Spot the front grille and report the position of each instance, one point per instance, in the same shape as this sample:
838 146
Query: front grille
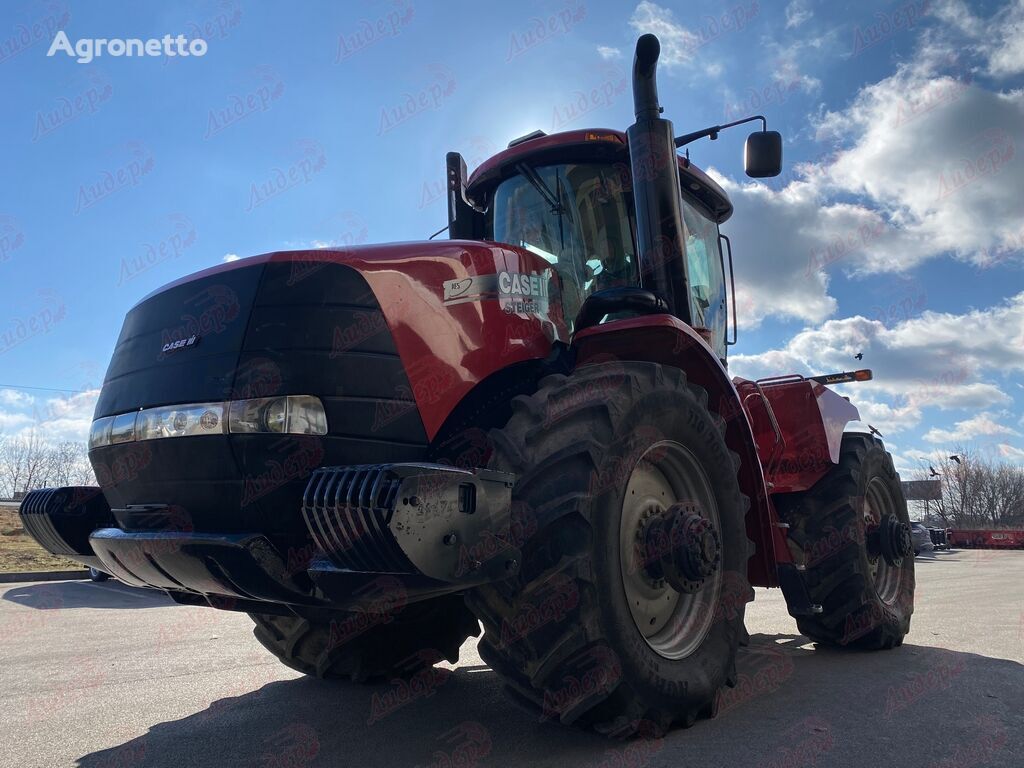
348 510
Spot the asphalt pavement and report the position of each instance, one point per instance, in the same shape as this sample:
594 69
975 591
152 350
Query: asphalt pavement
105 675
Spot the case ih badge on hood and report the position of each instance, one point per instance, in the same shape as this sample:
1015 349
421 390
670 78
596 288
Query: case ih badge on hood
518 293
171 346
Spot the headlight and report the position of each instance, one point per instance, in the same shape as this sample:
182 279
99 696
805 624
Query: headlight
181 421
123 428
99 432
290 414
294 414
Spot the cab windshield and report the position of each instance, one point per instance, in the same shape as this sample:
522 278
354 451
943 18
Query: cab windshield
576 217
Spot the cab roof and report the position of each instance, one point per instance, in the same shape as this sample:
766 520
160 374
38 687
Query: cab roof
600 143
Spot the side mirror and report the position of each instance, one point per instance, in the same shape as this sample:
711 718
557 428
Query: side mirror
762 154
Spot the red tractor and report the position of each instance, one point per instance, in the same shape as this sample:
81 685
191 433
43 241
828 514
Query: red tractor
529 426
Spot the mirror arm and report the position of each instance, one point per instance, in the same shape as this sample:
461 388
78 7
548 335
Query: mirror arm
714 130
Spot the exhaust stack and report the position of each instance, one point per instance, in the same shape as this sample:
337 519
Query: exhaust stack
659 220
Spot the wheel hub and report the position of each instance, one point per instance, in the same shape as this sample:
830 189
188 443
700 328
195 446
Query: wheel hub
681 547
894 540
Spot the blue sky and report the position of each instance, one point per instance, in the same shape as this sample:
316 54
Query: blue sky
897 229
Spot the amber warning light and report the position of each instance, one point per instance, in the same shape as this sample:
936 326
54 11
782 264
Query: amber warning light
844 378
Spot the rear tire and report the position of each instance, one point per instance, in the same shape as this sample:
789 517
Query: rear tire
562 633
365 647
866 602
95 574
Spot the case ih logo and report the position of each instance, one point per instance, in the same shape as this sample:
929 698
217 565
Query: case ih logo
170 346
219 308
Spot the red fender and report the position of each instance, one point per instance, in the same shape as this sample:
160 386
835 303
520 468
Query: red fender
667 340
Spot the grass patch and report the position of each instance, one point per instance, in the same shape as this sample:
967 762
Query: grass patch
20 552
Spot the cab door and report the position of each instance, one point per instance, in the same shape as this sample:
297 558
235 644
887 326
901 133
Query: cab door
704 268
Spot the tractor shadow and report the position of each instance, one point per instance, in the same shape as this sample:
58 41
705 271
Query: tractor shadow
789 696
57 595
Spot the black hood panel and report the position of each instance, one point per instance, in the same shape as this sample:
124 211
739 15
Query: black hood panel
271 328
208 316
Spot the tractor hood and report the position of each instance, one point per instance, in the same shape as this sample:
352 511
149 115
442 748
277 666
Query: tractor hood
331 323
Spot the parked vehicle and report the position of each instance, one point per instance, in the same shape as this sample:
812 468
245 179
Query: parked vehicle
530 426
940 537
921 537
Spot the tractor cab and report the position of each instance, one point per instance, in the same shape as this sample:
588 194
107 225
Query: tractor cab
568 198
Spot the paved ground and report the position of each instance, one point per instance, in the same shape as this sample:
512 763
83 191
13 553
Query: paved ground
103 675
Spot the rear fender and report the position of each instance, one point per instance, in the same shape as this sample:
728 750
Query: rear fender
667 340
811 419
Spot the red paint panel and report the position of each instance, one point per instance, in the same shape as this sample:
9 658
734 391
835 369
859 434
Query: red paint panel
986 538
811 419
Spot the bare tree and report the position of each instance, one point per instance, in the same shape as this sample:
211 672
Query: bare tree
27 462
976 492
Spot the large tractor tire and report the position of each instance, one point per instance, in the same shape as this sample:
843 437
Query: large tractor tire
625 487
852 532
367 647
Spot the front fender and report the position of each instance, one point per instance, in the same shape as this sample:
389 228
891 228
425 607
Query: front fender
667 340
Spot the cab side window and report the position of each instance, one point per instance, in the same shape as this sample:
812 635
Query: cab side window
704 268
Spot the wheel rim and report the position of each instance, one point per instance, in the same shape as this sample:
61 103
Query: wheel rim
886 578
673 624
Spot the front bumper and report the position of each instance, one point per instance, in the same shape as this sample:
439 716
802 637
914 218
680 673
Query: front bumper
420 530
246 572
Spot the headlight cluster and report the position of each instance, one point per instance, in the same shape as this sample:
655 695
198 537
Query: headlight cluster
290 414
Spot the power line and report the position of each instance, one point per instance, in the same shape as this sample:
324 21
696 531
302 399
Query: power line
45 389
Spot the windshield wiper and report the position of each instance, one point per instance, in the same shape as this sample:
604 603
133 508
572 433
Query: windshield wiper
542 188
553 199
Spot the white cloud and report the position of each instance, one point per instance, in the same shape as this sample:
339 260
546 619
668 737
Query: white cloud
919 363
1011 452
926 164
938 157
999 39
680 45
984 424
609 53
15 397
797 13
677 42
1006 56
896 418
54 419
228 257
